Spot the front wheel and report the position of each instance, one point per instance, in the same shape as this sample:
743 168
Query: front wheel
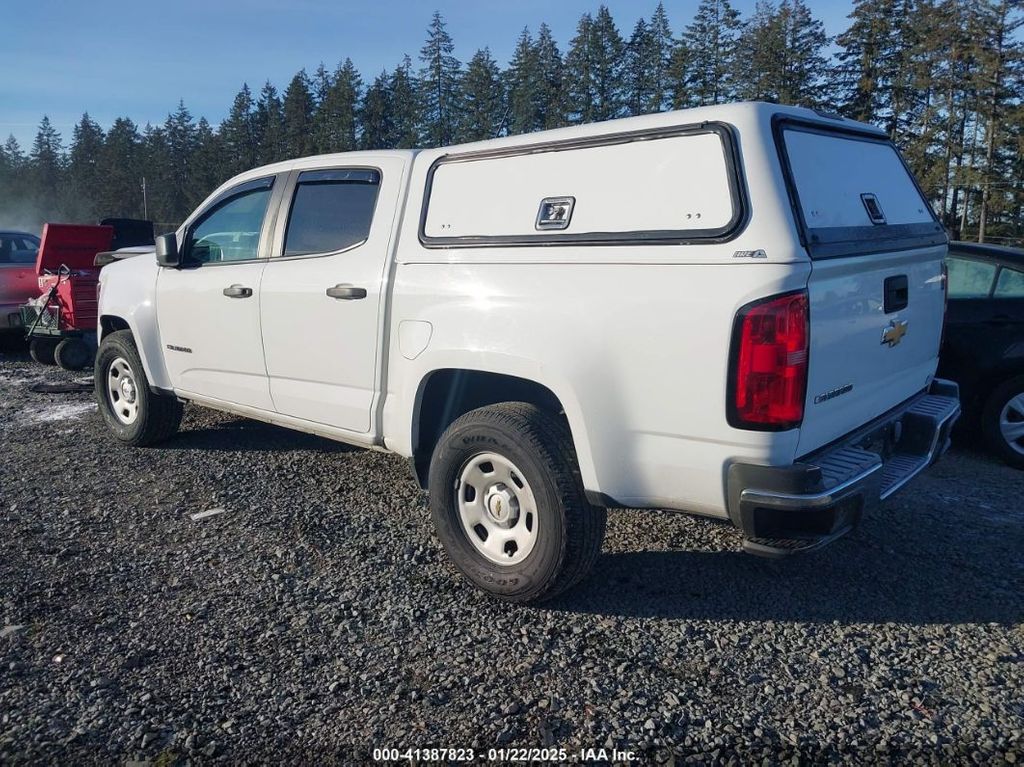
134 413
508 504
1002 421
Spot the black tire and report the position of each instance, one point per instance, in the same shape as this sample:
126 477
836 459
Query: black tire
159 415
570 530
42 350
72 354
990 421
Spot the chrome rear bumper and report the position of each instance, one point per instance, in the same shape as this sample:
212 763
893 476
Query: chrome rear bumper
782 510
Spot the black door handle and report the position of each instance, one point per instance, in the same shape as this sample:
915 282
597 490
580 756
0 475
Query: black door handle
346 292
237 291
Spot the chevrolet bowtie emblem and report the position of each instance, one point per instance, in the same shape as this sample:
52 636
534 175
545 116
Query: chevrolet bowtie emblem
894 332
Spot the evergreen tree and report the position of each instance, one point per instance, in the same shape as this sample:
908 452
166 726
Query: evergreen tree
660 34
534 84
46 168
593 70
269 121
710 41
804 66
181 141
336 115
376 112
871 53
405 107
1000 72
319 84
440 83
207 169
483 98
119 165
523 81
12 163
639 71
159 202
763 44
11 155
297 116
551 111
84 179
579 74
607 58
678 73
784 48
239 136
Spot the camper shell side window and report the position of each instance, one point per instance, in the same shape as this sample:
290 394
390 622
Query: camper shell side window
675 185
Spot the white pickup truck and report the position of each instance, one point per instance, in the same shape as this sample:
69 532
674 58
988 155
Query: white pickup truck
734 311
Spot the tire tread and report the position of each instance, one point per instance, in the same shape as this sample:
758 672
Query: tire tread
551 441
162 414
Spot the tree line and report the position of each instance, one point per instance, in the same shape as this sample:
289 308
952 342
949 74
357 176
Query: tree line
942 77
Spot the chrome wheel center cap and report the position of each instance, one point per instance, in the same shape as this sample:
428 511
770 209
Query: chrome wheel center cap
127 390
502 505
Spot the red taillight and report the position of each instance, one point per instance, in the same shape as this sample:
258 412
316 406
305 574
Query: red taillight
769 363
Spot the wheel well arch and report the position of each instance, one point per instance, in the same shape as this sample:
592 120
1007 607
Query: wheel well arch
448 393
987 383
110 323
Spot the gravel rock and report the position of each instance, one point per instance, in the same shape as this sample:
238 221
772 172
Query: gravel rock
318 611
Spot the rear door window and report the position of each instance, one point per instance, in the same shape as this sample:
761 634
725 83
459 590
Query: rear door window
852 190
331 211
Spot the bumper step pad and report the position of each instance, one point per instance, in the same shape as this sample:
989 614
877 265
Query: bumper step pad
779 518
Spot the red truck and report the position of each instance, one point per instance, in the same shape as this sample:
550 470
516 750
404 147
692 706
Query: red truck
61 322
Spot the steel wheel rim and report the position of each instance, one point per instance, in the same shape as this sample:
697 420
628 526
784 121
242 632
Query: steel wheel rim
497 509
122 391
1011 423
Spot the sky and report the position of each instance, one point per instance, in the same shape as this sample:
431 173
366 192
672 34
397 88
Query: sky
138 57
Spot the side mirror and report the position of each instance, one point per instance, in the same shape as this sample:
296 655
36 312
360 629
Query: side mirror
167 250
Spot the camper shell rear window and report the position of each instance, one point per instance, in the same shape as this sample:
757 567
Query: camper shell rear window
675 185
851 191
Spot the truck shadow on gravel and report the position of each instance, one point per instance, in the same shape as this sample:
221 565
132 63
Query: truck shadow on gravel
871 577
245 435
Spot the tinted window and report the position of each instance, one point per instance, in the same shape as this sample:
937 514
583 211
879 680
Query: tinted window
1010 284
231 231
18 250
970 279
331 211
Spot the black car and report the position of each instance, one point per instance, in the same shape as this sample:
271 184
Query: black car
983 349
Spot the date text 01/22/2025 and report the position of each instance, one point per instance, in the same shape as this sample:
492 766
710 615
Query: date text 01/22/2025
559 755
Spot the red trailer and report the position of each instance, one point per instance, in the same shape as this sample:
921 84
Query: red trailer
61 323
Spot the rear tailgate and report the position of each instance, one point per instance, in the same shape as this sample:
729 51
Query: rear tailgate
876 287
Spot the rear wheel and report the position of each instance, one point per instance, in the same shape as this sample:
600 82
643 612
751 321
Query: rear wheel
134 413
42 350
508 504
1002 421
72 354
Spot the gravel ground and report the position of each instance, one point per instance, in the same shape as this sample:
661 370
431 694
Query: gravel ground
318 614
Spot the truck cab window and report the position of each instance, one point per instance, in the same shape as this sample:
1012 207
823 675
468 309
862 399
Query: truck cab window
231 231
331 211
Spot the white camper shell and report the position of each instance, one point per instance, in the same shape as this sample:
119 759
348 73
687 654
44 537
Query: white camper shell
733 311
